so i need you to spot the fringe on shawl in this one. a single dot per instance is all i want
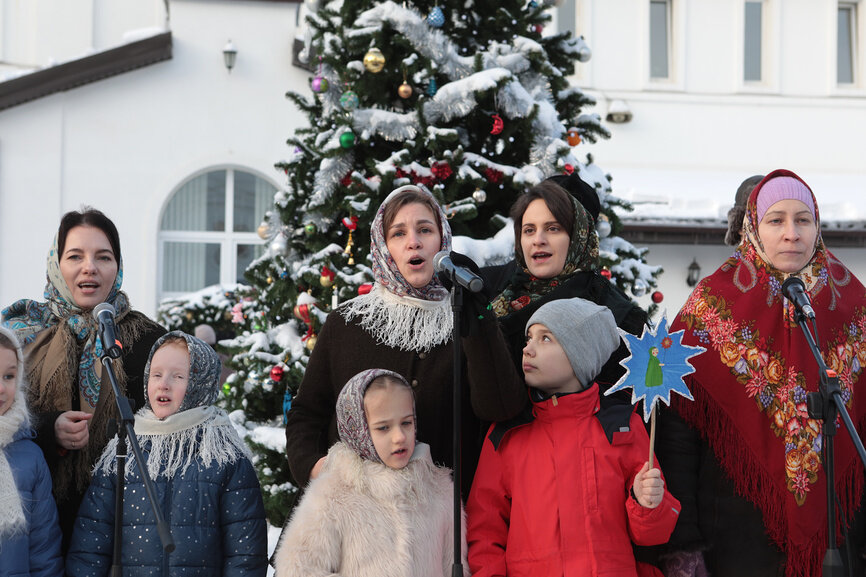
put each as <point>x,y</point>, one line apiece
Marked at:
<point>213,442</point>
<point>53,392</point>
<point>752,481</point>
<point>402,323</point>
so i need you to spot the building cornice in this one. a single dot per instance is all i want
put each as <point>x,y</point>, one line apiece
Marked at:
<point>639,234</point>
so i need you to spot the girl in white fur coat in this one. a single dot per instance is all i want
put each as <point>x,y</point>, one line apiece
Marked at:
<point>380,507</point>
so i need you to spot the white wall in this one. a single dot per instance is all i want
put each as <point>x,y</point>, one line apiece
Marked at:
<point>693,138</point>
<point>125,143</point>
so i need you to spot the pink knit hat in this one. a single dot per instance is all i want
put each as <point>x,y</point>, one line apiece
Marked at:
<point>782,188</point>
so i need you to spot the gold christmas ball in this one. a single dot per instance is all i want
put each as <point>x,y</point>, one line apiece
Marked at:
<point>326,281</point>
<point>263,231</point>
<point>374,60</point>
<point>311,342</point>
<point>405,91</point>
<point>270,280</point>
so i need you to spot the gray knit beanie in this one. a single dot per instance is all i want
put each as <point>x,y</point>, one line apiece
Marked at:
<point>738,211</point>
<point>203,387</point>
<point>586,331</point>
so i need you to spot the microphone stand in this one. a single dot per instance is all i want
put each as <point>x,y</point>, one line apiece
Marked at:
<point>825,404</point>
<point>127,429</point>
<point>456,308</point>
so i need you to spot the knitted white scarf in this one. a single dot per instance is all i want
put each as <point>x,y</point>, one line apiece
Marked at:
<point>12,519</point>
<point>179,440</point>
<point>401,322</point>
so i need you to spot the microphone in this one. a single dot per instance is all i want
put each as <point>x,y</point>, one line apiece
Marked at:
<point>795,291</point>
<point>461,275</point>
<point>104,315</point>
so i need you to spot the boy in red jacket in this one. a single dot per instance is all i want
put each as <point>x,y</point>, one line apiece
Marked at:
<point>566,490</point>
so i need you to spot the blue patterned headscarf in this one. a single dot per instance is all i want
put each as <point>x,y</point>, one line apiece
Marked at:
<point>27,318</point>
<point>351,418</point>
<point>385,269</point>
<point>203,387</point>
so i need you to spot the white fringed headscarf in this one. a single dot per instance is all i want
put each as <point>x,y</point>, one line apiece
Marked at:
<point>12,519</point>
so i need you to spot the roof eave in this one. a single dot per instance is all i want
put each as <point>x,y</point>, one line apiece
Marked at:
<point>85,70</point>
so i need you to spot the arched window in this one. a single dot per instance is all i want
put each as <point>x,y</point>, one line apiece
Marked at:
<point>207,234</point>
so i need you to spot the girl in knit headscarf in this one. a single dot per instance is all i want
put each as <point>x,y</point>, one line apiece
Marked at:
<point>380,507</point>
<point>745,458</point>
<point>199,464</point>
<point>29,531</point>
<point>404,324</point>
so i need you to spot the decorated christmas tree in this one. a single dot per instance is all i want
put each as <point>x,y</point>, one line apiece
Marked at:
<point>471,101</point>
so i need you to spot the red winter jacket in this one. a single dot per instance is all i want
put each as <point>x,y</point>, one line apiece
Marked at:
<point>553,497</point>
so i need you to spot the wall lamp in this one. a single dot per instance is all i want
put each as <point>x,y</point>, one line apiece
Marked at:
<point>694,273</point>
<point>230,54</point>
<point>618,112</point>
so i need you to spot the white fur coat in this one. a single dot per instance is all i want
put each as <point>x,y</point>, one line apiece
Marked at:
<point>364,519</point>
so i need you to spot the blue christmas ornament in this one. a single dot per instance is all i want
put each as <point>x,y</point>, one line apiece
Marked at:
<point>349,100</point>
<point>533,4</point>
<point>436,18</point>
<point>432,88</point>
<point>287,405</point>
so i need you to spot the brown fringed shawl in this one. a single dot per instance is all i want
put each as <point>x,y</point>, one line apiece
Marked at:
<point>750,388</point>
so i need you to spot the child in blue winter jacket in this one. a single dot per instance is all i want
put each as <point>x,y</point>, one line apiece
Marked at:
<point>205,482</point>
<point>29,530</point>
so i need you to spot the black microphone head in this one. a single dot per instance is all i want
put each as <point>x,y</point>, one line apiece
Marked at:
<point>103,308</point>
<point>793,283</point>
<point>437,260</point>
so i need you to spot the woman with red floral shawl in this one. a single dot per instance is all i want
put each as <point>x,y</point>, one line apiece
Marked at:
<point>744,458</point>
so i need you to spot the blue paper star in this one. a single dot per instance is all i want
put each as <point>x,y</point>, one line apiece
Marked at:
<point>666,372</point>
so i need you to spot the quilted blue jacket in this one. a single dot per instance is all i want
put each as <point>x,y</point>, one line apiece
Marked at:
<point>215,515</point>
<point>35,552</point>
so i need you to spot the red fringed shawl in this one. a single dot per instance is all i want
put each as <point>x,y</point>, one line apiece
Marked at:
<point>750,389</point>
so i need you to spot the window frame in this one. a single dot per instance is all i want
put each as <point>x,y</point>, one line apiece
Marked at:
<point>229,240</point>
<point>676,17</point>
<point>853,31</point>
<point>770,48</point>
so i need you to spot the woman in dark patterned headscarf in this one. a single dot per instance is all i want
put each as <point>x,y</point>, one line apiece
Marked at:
<point>556,256</point>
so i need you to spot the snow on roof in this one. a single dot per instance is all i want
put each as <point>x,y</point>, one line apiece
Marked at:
<point>703,198</point>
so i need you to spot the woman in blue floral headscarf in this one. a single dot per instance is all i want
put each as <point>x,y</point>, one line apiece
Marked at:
<point>69,395</point>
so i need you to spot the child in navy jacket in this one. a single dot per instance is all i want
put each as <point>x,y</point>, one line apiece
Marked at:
<point>205,481</point>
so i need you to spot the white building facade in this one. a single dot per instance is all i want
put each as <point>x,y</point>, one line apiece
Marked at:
<point>179,151</point>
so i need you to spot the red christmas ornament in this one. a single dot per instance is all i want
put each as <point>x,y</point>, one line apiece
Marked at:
<point>605,273</point>
<point>347,180</point>
<point>498,125</point>
<point>494,176</point>
<point>326,272</point>
<point>573,136</point>
<point>568,169</point>
<point>350,222</point>
<point>303,313</point>
<point>365,288</point>
<point>400,173</point>
<point>441,170</point>
<point>658,297</point>
<point>277,373</point>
